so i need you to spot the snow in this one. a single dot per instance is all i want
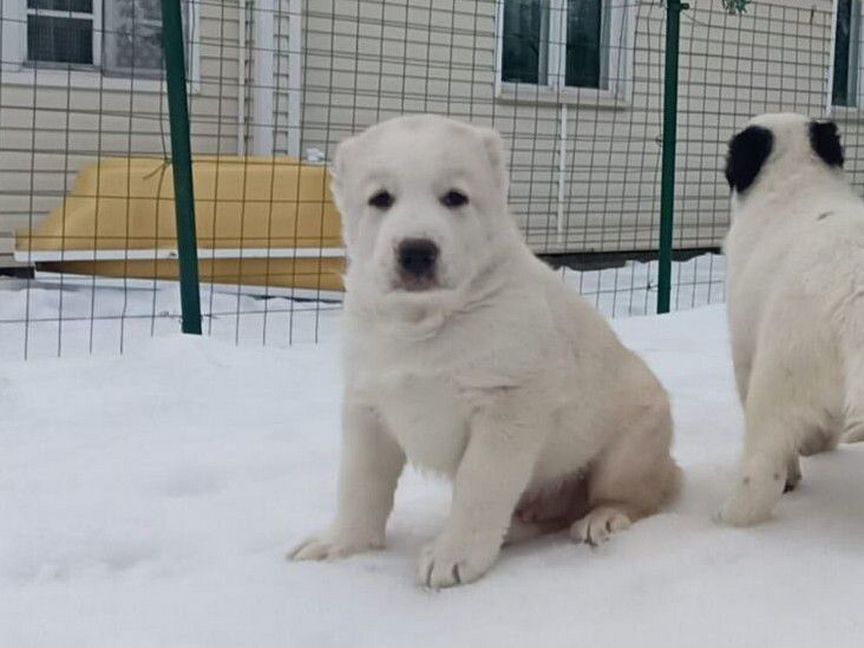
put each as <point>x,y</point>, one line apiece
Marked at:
<point>148,499</point>
<point>61,315</point>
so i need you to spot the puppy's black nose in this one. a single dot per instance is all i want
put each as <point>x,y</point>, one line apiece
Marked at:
<point>417,257</point>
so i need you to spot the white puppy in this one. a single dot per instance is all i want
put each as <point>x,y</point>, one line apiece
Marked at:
<point>795,256</point>
<point>468,356</point>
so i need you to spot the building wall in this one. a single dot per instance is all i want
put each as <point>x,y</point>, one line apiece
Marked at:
<point>368,60</point>
<point>48,133</point>
<point>365,60</point>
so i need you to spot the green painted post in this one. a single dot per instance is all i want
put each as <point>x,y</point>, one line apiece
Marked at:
<point>181,160</point>
<point>670,125</point>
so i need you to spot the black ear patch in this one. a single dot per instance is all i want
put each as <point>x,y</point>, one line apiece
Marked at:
<point>825,141</point>
<point>748,151</point>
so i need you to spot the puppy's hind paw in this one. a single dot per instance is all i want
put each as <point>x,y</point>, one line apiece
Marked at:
<point>332,546</point>
<point>854,433</point>
<point>599,525</point>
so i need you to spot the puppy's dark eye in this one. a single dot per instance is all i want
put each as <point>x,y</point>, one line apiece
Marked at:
<point>454,199</point>
<point>382,200</point>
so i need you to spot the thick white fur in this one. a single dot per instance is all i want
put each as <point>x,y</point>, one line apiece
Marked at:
<point>795,255</point>
<point>500,378</point>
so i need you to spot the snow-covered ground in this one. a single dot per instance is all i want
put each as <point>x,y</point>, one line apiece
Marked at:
<point>148,499</point>
<point>75,316</point>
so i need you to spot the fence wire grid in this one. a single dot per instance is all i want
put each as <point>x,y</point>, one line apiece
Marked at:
<point>87,240</point>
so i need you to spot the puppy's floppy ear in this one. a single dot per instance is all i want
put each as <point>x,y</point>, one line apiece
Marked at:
<point>825,141</point>
<point>496,152</point>
<point>337,172</point>
<point>748,151</point>
<point>336,169</point>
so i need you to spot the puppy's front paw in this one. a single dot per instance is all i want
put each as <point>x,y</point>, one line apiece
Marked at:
<point>742,511</point>
<point>599,525</point>
<point>447,561</point>
<point>793,475</point>
<point>332,545</point>
<point>753,499</point>
<point>738,513</point>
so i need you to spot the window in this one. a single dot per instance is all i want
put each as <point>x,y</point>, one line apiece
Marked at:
<point>132,43</point>
<point>582,54</point>
<point>120,38</point>
<point>847,47</point>
<point>525,42</point>
<point>565,44</point>
<point>60,31</point>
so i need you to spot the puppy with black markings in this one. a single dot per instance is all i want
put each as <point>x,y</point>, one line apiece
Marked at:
<point>468,357</point>
<point>795,258</point>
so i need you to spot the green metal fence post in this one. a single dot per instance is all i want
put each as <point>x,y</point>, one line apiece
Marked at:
<point>181,159</point>
<point>670,125</point>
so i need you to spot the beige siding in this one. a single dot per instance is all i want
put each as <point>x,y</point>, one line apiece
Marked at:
<point>367,60</point>
<point>47,133</point>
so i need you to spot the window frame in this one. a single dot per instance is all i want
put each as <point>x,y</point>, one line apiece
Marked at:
<point>618,19</point>
<point>18,70</point>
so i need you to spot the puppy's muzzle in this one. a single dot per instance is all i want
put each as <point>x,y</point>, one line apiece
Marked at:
<point>417,260</point>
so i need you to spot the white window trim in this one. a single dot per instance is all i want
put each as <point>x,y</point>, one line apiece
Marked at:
<point>266,104</point>
<point>14,53</point>
<point>264,21</point>
<point>295,75</point>
<point>619,19</point>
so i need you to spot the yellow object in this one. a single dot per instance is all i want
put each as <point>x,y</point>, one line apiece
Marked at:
<point>269,221</point>
<point>307,274</point>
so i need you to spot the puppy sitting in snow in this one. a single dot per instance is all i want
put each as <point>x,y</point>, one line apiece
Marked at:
<point>795,256</point>
<point>467,356</point>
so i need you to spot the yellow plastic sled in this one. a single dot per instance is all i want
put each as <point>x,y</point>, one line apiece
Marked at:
<point>260,221</point>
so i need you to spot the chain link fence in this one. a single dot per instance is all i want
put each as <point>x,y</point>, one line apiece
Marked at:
<point>88,243</point>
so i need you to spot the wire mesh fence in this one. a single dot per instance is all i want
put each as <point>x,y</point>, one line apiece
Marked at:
<point>574,86</point>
